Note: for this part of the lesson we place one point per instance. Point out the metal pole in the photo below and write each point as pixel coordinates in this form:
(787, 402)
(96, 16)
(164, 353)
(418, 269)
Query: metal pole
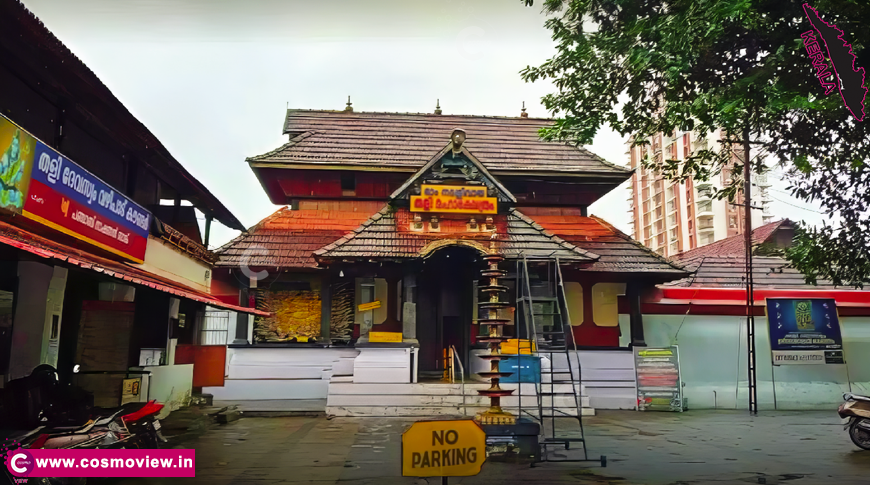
(747, 234)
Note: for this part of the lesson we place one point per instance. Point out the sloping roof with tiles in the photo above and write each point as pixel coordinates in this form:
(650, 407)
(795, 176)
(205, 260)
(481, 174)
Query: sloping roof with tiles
(618, 252)
(408, 140)
(734, 245)
(722, 264)
(288, 238)
(30, 50)
(388, 234)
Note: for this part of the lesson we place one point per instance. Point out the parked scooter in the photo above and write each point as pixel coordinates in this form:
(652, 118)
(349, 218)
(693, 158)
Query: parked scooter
(857, 410)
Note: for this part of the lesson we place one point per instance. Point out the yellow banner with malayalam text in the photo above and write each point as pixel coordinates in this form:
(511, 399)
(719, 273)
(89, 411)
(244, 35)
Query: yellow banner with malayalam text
(385, 337)
(467, 199)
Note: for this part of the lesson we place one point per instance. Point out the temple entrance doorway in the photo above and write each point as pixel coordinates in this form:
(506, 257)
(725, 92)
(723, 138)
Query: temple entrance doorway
(446, 294)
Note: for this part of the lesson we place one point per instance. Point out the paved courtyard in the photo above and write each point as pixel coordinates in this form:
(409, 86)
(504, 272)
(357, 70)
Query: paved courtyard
(641, 448)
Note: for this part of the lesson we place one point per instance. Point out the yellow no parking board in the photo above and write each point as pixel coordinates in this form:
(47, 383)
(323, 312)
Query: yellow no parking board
(443, 449)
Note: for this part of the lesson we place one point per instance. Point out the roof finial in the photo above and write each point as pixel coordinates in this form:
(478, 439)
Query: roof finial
(438, 107)
(349, 106)
(523, 114)
(458, 138)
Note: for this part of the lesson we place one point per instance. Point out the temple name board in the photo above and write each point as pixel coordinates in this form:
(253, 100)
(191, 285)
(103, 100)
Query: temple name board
(461, 199)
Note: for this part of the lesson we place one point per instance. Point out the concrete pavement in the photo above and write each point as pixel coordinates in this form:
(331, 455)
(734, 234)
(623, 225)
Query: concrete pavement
(695, 447)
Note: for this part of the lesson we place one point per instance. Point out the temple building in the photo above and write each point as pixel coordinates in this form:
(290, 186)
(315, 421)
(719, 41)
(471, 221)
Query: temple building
(366, 282)
(384, 221)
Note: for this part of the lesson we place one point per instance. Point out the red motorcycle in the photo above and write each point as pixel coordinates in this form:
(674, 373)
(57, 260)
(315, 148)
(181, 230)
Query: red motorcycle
(857, 410)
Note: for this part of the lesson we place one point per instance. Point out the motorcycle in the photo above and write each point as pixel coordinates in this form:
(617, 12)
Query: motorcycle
(857, 410)
(36, 400)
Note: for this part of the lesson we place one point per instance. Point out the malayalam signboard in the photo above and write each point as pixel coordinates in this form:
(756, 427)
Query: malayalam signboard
(659, 387)
(443, 449)
(385, 337)
(804, 331)
(47, 187)
(374, 305)
(463, 199)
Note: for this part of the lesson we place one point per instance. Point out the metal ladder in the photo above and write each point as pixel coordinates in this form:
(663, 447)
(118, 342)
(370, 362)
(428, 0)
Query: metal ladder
(549, 341)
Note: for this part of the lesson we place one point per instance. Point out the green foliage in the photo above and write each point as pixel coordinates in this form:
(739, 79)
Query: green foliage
(643, 67)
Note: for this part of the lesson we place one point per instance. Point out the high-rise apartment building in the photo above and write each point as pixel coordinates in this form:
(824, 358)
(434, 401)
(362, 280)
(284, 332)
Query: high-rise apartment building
(674, 217)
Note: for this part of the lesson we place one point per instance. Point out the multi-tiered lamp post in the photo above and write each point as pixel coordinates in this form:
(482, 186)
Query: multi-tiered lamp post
(490, 309)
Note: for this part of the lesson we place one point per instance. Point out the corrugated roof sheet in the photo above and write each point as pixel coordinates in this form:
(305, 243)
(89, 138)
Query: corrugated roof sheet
(408, 140)
(388, 235)
(288, 238)
(46, 248)
(29, 47)
(618, 252)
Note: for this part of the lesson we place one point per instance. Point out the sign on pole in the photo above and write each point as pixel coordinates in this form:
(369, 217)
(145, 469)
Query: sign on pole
(804, 331)
(443, 449)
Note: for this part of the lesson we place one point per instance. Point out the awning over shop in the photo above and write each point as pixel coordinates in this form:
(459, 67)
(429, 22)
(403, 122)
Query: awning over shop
(40, 246)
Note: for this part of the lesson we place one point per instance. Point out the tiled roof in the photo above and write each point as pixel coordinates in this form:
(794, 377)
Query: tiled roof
(722, 264)
(618, 252)
(409, 140)
(288, 238)
(734, 245)
(728, 271)
(387, 234)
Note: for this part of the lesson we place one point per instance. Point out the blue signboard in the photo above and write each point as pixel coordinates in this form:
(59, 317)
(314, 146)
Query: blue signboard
(803, 324)
(61, 174)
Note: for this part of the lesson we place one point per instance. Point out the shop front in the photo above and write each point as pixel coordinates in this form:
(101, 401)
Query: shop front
(92, 284)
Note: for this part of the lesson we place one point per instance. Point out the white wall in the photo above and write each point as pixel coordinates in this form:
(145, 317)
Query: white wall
(265, 374)
(168, 261)
(28, 325)
(170, 385)
(713, 361)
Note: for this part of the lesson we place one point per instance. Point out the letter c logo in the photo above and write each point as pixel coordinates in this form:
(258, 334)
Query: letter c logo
(21, 463)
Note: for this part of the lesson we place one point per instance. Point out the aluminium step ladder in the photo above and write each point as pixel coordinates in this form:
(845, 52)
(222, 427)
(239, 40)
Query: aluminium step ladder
(548, 327)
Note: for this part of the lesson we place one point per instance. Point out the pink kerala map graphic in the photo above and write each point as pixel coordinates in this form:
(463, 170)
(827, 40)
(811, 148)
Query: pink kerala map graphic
(849, 79)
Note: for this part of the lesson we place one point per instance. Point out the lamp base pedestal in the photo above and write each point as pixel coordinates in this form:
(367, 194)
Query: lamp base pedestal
(513, 443)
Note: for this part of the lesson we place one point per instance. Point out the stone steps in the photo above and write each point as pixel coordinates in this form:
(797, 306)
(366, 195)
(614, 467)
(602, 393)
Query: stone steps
(442, 399)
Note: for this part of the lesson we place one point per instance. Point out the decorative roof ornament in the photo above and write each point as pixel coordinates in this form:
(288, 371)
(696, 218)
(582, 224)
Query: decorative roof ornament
(523, 113)
(438, 107)
(458, 138)
(349, 107)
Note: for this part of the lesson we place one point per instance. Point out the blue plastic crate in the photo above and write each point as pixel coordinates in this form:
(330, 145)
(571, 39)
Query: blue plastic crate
(531, 368)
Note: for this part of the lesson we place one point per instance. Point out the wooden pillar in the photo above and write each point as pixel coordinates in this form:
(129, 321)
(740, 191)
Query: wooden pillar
(176, 207)
(208, 219)
(242, 319)
(392, 323)
(633, 293)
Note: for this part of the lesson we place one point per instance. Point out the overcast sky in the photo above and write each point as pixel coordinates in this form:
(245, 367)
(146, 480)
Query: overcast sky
(212, 78)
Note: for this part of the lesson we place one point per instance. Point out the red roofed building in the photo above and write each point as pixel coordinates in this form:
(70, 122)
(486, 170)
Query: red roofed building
(368, 245)
(356, 229)
(705, 314)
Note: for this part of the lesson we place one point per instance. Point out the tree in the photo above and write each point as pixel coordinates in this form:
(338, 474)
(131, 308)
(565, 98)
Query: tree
(648, 66)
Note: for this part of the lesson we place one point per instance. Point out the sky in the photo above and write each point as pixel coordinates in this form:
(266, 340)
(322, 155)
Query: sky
(212, 78)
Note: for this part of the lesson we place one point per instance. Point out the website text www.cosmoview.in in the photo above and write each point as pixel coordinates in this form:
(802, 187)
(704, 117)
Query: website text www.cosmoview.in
(101, 463)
